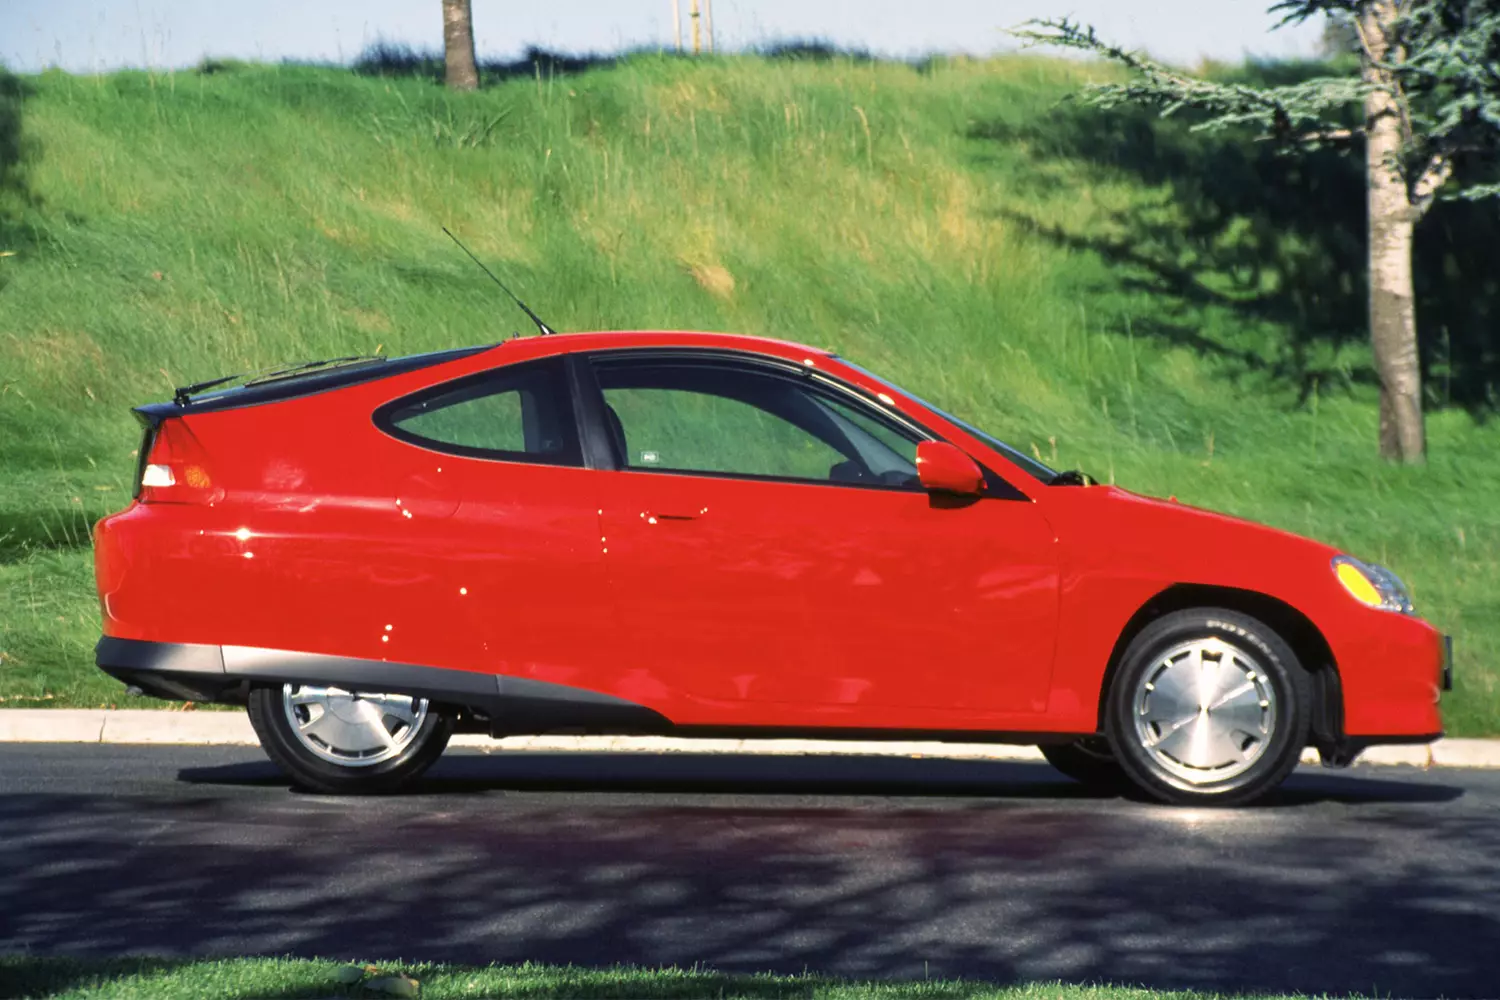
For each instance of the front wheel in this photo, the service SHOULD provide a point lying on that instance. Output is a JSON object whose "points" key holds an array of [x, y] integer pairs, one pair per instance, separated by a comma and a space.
{"points": [[331, 740], [1208, 707]]}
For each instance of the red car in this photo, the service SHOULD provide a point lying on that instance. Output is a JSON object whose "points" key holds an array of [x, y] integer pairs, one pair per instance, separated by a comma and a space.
{"points": [[704, 534]]}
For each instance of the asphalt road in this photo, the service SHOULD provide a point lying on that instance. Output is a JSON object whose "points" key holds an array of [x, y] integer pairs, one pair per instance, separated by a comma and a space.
{"points": [[1374, 880]]}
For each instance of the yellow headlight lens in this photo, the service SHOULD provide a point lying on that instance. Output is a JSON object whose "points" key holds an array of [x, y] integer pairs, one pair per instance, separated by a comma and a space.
{"points": [[1358, 585]]}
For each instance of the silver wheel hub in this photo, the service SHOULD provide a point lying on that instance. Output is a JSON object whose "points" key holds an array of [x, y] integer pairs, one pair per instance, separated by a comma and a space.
{"points": [[352, 728], [1205, 712]]}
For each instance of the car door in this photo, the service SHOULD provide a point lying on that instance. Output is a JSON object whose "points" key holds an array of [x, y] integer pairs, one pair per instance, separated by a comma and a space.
{"points": [[774, 560], [501, 526]]}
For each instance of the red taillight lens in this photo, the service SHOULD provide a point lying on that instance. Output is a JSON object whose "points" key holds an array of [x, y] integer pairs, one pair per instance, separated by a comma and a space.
{"points": [[177, 469]]}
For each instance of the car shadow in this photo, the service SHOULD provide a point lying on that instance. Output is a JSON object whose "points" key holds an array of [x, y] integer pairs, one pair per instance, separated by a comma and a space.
{"points": [[823, 775], [705, 773]]}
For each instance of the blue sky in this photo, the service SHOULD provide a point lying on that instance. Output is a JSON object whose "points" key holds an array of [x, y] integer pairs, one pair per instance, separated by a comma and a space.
{"points": [[84, 36]]}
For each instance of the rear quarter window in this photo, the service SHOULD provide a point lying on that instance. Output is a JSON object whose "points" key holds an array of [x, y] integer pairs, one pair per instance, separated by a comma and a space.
{"points": [[491, 422], [518, 413]]}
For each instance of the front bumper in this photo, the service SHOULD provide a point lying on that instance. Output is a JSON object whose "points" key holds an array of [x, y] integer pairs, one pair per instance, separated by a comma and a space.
{"points": [[1343, 750], [1393, 670]]}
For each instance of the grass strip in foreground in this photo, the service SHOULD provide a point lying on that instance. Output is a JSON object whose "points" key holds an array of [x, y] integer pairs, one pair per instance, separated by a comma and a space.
{"points": [[285, 978]]}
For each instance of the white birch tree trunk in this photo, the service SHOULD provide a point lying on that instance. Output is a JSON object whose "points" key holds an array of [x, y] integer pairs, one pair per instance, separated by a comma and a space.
{"points": [[1392, 226]]}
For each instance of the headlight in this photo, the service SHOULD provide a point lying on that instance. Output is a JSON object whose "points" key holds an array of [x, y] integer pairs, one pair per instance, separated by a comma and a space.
{"points": [[1372, 585]]}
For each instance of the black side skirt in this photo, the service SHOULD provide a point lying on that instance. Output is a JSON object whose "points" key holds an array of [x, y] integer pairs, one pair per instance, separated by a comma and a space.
{"points": [[513, 706], [500, 705]]}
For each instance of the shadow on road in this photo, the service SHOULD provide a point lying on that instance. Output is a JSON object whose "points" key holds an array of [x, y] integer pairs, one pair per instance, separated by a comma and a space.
{"points": [[852, 866], [711, 774], [702, 773]]}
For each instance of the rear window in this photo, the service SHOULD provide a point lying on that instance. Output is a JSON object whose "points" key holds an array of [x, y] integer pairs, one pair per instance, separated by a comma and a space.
{"points": [[520, 413]]}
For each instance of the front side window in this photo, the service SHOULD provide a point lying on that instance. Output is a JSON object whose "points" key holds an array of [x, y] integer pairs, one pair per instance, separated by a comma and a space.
{"points": [[521, 413], [1033, 467], [719, 418]]}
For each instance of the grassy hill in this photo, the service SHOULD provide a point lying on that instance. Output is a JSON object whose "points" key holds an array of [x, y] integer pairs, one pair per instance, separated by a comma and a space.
{"points": [[1108, 293]]}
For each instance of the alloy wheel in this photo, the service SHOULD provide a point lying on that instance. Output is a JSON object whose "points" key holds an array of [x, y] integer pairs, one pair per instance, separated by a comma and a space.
{"points": [[352, 728], [1205, 711]]}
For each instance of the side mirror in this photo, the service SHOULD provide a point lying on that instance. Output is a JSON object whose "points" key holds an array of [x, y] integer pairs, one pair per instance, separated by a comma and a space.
{"points": [[944, 468]]}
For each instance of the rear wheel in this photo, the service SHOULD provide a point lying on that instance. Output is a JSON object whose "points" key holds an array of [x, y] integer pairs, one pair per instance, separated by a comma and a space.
{"points": [[1209, 707], [352, 742], [1088, 760]]}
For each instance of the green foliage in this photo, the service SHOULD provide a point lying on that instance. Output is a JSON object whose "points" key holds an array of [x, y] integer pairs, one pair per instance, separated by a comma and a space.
{"points": [[1446, 79], [1092, 289], [1297, 111], [1454, 73], [48, 625], [236, 978]]}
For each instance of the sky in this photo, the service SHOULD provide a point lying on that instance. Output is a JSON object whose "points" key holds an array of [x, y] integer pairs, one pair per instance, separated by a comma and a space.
{"points": [[82, 36]]}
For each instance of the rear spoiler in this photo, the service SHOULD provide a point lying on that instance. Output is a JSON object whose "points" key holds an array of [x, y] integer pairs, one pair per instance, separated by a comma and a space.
{"points": [[288, 383]]}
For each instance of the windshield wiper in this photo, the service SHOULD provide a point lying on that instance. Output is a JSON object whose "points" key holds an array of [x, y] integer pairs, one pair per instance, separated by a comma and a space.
{"points": [[307, 366], [182, 394], [185, 393]]}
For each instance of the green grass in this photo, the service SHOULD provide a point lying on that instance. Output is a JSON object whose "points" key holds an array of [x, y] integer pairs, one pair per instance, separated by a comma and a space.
{"points": [[916, 219], [261, 978]]}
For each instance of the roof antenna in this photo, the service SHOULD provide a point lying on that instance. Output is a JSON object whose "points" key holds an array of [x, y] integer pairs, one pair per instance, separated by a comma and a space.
{"points": [[534, 317]]}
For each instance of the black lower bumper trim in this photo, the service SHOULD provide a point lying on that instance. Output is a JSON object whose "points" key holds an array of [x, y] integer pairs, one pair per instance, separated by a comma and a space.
{"points": [[513, 705], [1347, 750], [178, 671], [167, 657]]}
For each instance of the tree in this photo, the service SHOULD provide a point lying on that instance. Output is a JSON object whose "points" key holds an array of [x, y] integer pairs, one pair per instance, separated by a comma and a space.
{"points": [[17, 149], [1338, 39], [1424, 104], [458, 45]]}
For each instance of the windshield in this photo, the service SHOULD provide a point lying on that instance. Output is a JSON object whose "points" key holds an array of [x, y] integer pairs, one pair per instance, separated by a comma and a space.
{"points": [[1016, 457]]}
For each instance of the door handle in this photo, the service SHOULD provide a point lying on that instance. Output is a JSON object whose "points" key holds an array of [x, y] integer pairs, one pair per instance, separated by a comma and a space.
{"points": [[679, 514]]}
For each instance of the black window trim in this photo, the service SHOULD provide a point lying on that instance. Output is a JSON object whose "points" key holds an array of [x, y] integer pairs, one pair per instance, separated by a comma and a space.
{"points": [[597, 439], [572, 457], [588, 415]]}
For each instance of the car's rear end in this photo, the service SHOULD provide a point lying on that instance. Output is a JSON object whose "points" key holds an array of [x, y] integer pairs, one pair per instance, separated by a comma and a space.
{"points": [[246, 523]]}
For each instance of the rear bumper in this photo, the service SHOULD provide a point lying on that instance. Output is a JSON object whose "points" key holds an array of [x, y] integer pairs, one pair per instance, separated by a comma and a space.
{"points": [[175, 670]]}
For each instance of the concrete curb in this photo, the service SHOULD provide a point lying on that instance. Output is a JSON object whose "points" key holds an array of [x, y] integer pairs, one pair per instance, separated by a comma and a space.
{"points": [[46, 725]]}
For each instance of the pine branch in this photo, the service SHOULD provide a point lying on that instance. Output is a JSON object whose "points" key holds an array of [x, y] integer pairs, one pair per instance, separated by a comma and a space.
{"points": [[1325, 137], [1476, 192], [1295, 12], [1440, 64], [1454, 69], [1303, 112]]}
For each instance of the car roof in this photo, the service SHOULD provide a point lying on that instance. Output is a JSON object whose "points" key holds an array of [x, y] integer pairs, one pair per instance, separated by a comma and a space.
{"points": [[475, 358], [562, 343]]}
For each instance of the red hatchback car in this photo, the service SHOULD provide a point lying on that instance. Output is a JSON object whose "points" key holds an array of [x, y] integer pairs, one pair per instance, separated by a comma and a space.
{"points": [[704, 534]]}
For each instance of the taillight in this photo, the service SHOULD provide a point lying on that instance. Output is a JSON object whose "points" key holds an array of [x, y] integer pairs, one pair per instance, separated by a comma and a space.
{"points": [[176, 469]]}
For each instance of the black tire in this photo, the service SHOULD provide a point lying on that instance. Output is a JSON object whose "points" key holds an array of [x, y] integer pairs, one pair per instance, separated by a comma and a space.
{"points": [[1275, 692], [1089, 761], [268, 716]]}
